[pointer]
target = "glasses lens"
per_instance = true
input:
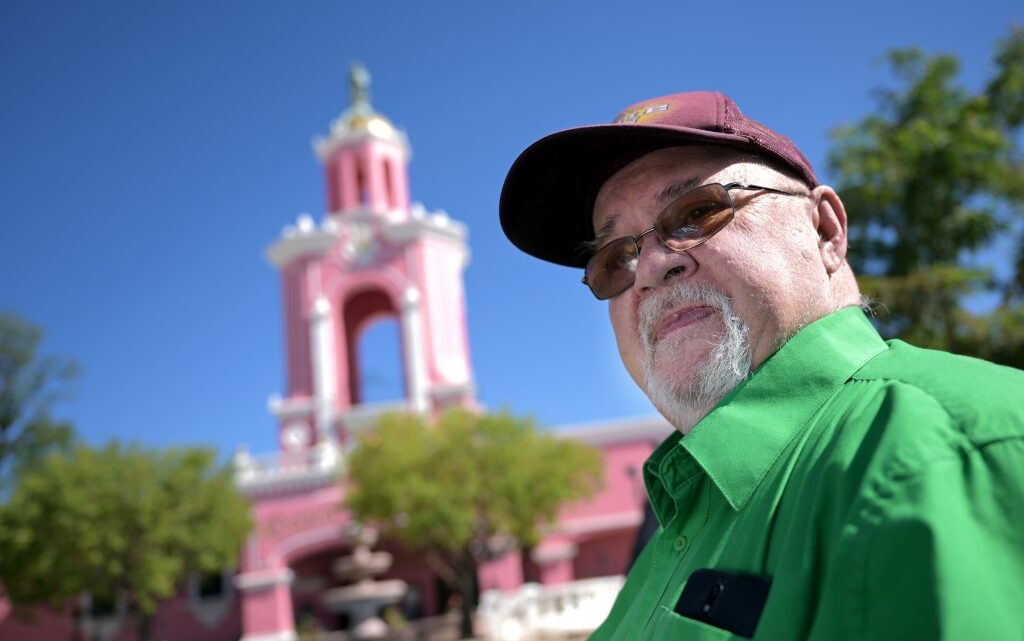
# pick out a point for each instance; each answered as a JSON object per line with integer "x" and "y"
{"x": 696, "y": 216}
{"x": 611, "y": 270}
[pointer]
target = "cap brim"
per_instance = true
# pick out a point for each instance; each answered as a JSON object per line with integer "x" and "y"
{"x": 546, "y": 201}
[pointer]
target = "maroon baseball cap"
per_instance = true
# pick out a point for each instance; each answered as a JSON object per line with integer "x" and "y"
{"x": 548, "y": 196}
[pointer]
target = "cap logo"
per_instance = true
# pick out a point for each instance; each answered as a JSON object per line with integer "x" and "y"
{"x": 639, "y": 114}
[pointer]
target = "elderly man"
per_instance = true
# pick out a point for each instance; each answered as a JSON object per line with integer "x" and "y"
{"x": 822, "y": 483}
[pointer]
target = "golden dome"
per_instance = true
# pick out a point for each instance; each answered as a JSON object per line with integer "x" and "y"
{"x": 373, "y": 123}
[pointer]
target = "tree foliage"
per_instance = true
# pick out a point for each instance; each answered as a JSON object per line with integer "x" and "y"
{"x": 931, "y": 182}
{"x": 29, "y": 385}
{"x": 466, "y": 487}
{"x": 118, "y": 520}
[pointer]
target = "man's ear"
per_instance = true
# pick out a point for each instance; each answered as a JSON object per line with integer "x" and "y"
{"x": 830, "y": 222}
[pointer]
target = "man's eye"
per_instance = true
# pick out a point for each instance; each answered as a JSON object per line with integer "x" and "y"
{"x": 702, "y": 211}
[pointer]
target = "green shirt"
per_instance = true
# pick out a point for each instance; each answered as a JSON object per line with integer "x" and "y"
{"x": 879, "y": 486}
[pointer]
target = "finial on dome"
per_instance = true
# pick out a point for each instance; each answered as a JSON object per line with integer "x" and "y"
{"x": 360, "y": 118}
{"x": 359, "y": 88}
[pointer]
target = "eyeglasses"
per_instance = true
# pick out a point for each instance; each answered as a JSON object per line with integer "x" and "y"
{"x": 688, "y": 221}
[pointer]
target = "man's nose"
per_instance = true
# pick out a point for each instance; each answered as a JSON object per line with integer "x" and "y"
{"x": 657, "y": 265}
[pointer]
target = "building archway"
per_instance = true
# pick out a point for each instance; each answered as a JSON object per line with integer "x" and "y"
{"x": 371, "y": 314}
{"x": 380, "y": 376}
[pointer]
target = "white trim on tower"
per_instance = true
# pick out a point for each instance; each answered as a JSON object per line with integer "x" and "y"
{"x": 415, "y": 356}
{"x": 325, "y": 375}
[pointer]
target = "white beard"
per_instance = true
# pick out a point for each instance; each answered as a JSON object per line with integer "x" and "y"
{"x": 725, "y": 366}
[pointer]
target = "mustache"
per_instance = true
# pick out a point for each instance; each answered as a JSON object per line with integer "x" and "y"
{"x": 656, "y": 306}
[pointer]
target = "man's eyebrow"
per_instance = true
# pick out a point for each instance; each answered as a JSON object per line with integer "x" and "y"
{"x": 675, "y": 190}
{"x": 605, "y": 230}
{"x": 662, "y": 199}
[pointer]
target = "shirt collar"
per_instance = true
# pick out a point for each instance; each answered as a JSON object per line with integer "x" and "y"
{"x": 739, "y": 440}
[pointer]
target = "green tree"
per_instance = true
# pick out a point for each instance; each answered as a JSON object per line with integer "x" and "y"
{"x": 465, "y": 488}
{"x": 29, "y": 385}
{"x": 118, "y": 520}
{"x": 931, "y": 182}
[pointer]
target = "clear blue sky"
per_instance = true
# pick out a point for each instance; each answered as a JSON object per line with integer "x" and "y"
{"x": 150, "y": 152}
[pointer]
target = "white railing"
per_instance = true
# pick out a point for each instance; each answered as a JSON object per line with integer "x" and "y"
{"x": 318, "y": 465}
{"x": 363, "y": 417}
{"x": 537, "y": 611}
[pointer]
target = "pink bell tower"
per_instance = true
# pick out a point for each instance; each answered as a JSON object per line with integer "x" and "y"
{"x": 374, "y": 255}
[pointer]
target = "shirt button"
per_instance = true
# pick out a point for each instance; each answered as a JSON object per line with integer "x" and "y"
{"x": 680, "y": 543}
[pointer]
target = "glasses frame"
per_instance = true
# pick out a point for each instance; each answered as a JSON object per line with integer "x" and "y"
{"x": 727, "y": 187}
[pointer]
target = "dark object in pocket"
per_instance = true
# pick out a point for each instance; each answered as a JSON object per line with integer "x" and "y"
{"x": 726, "y": 600}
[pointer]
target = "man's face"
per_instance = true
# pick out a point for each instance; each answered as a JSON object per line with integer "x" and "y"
{"x": 694, "y": 324}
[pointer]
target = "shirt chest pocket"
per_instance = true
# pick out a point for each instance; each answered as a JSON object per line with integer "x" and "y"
{"x": 671, "y": 626}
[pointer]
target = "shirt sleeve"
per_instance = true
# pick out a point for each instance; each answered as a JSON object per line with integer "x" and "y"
{"x": 945, "y": 558}
{"x": 933, "y": 545}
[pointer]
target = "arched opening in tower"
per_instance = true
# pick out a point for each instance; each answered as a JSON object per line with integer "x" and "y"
{"x": 374, "y": 343}
{"x": 362, "y": 183}
{"x": 390, "y": 187}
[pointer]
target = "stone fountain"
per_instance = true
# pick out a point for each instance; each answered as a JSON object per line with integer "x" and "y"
{"x": 364, "y": 597}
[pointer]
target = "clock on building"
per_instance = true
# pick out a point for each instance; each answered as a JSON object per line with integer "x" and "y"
{"x": 295, "y": 436}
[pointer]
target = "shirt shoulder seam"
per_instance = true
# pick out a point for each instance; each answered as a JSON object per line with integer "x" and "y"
{"x": 954, "y": 419}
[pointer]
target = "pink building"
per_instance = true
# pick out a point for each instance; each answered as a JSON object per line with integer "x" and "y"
{"x": 377, "y": 255}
